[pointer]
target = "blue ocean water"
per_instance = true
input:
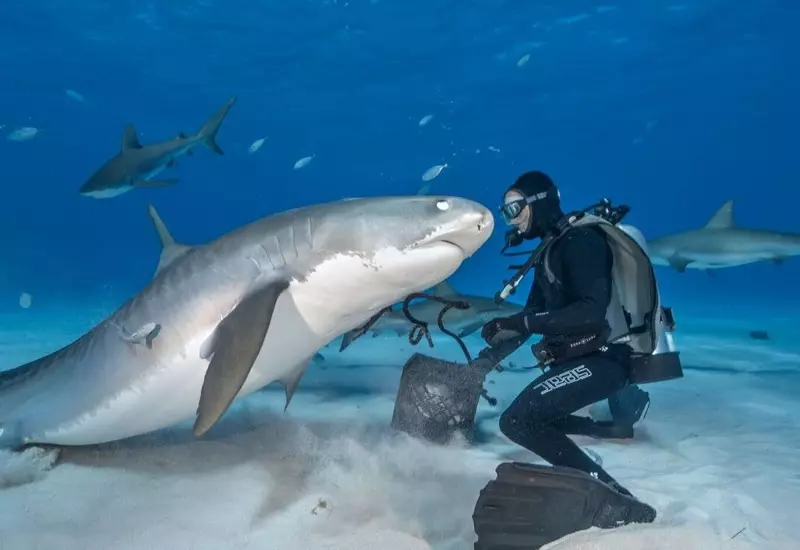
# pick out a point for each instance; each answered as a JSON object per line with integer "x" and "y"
{"x": 671, "y": 107}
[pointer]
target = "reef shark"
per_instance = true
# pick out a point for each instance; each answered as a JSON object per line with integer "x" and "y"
{"x": 136, "y": 165}
{"x": 463, "y": 322}
{"x": 223, "y": 319}
{"x": 721, "y": 243}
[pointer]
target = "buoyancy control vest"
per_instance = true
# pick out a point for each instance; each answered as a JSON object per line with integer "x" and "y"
{"x": 634, "y": 314}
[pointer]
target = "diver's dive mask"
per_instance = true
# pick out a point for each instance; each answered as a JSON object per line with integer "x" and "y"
{"x": 511, "y": 210}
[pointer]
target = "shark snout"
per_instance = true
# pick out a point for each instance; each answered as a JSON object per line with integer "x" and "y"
{"x": 471, "y": 228}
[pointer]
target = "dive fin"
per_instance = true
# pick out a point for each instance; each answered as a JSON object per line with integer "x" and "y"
{"x": 722, "y": 218}
{"x": 129, "y": 139}
{"x": 528, "y": 506}
{"x": 208, "y": 132}
{"x": 629, "y": 405}
{"x": 236, "y": 344}
{"x": 171, "y": 249}
{"x": 155, "y": 183}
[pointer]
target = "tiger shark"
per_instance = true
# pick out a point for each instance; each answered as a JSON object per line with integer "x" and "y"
{"x": 721, "y": 243}
{"x": 223, "y": 319}
{"x": 135, "y": 165}
{"x": 463, "y": 322}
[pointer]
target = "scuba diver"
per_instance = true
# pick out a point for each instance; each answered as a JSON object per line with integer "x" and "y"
{"x": 595, "y": 302}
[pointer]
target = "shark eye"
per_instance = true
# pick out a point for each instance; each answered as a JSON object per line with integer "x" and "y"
{"x": 443, "y": 205}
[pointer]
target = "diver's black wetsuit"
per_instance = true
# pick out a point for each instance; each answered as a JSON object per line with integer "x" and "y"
{"x": 575, "y": 305}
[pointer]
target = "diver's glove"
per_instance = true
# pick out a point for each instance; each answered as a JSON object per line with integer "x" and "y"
{"x": 503, "y": 329}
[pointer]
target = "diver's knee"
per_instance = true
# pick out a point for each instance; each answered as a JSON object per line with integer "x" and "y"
{"x": 510, "y": 423}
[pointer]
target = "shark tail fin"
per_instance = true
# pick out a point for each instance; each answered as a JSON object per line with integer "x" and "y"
{"x": 171, "y": 249}
{"x": 208, "y": 132}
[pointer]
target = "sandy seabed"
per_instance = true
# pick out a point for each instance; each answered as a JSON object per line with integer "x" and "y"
{"x": 717, "y": 455}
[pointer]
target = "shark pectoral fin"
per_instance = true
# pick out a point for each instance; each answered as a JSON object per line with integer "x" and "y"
{"x": 678, "y": 263}
{"x": 236, "y": 344}
{"x": 154, "y": 183}
{"x": 291, "y": 381}
{"x": 444, "y": 289}
{"x": 129, "y": 139}
{"x": 348, "y": 338}
{"x": 469, "y": 329}
{"x": 778, "y": 260}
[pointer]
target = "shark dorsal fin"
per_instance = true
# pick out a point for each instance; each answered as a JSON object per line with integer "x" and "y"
{"x": 722, "y": 218}
{"x": 171, "y": 250}
{"x": 444, "y": 289}
{"x": 129, "y": 139}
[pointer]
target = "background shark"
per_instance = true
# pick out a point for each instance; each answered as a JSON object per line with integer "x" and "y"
{"x": 136, "y": 165}
{"x": 224, "y": 319}
{"x": 720, "y": 243}
{"x": 461, "y": 321}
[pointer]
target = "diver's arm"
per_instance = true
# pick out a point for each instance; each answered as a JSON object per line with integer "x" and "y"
{"x": 587, "y": 279}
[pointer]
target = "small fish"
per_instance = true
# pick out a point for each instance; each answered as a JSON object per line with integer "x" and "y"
{"x": 75, "y": 95}
{"x": 25, "y": 300}
{"x": 524, "y": 59}
{"x": 433, "y": 171}
{"x": 303, "y": 162}
{"x": 425, "y": 120}
{"x": 493, "y": 149}
{"x": 256, "y": 145}
{"x": 23, "y": 134}
{"x": 424, "y": 189}
{"x": 146, "y": 334}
